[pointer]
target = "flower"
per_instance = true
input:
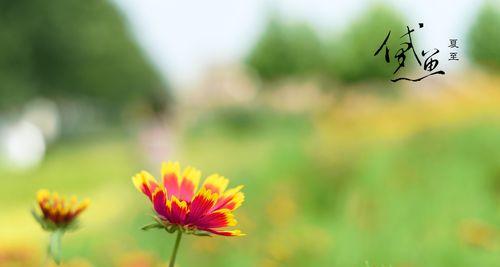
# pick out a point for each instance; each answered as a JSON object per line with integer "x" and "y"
{"x": 179, "y": 204}
{"x": 57, "y": 216}
{"x": 56, "y": 212}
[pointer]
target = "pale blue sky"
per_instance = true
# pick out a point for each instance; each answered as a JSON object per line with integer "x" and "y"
{"x": 185, "y": 37}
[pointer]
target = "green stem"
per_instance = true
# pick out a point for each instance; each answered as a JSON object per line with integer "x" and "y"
{"x": 176, "y": 247}
{"x": 55, "y": 246}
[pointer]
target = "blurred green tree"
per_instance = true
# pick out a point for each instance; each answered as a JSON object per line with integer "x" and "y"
{"x": 72, "y": 49}
{"x": 484, "y": 37}
{"x": 286, "y": 50}
{"x": 350, "y": 56}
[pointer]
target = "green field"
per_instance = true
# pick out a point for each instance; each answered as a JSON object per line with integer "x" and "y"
{"x": 430, "y": 199}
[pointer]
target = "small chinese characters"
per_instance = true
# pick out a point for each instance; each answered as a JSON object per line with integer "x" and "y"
{"x": 453, "y": 47}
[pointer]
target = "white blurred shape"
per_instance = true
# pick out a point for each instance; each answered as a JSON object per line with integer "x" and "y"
{"x": 43, "y": 113}
{"x": 24, "y": 145}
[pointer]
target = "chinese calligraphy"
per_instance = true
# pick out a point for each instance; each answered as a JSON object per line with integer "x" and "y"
{"x": 430, "y": 63}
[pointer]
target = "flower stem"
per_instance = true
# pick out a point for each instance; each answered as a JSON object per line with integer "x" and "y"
{"x": 176, "y": 247}
{"x": 55, "y": 246}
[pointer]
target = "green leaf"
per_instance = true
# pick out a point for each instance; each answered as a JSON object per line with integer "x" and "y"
{"x": 38, "y": 218}
{"x": 202, "y": 233}
{"x": 154, "y": 225}
{"x": 171, "y": 229}
{"x": 45, "y": 224}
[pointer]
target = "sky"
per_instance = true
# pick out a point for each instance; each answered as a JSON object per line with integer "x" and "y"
{"x": 184, "y": 38}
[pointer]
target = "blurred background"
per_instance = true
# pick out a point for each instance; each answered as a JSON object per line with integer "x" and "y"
{"x": 341, "y": 167}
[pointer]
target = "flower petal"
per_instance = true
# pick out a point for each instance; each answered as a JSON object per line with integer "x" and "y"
{"x": 145, "y": 183}
{"x": 218, "y": 219}
{"x": 216, "y": 183}
{"x": 189, "y": 184}
{"x": 160, "y": 203}
{"x": 202, "y": 203}
{"x": 231, "y": 200}
{"x": 178, "y": 211}
{"x": 42, "y": 195}
{"x": 81, "y": 207}
{"x": 226, "y": 233}
{"x": 170, "y": 173}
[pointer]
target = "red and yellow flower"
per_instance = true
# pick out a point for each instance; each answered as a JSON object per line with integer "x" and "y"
{"x": 179, "y": 204}
{"x": 56, "y": 211}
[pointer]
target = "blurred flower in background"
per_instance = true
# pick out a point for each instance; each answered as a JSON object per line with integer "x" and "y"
{"x": 57, "y": 217}
{"x": 57, "y": 211}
